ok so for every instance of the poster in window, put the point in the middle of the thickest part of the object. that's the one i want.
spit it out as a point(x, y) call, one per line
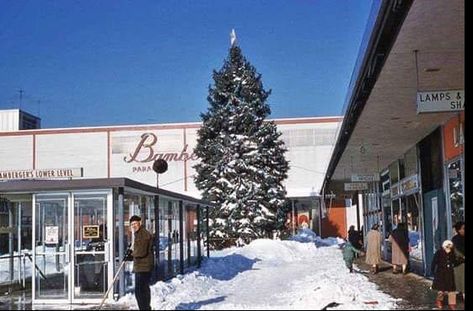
point(51, 235)
point(90, 232)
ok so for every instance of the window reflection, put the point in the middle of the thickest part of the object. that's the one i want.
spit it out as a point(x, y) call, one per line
point(456, 191)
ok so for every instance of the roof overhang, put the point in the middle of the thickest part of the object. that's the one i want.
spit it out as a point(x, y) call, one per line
point(381, 121)
point(31, 186)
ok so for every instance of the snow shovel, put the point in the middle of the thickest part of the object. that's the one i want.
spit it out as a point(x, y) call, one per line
point(122, 264)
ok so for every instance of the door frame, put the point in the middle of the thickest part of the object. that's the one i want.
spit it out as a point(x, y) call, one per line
point(70, 249)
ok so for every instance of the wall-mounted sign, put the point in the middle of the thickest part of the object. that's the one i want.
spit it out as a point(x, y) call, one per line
point(4, 230)
point(394, 190)
point(356, 186)
point(364, 177)
point(49, 173)
point(437, 101)
point(90, 232)
point(51, 235)
point(409, 184)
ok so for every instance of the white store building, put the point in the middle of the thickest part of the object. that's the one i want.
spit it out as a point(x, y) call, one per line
point(81, 180)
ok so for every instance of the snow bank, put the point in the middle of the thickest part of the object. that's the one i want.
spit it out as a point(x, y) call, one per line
point(306, 235)
point(269, 274)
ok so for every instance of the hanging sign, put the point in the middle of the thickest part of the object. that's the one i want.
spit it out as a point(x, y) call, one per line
point(356, 186)
point(438, 101)
point(364, 177)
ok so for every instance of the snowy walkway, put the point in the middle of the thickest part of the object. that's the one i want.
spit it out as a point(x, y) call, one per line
point(269, 274)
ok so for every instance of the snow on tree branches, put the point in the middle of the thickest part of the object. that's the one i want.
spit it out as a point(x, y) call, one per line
point(242, 163)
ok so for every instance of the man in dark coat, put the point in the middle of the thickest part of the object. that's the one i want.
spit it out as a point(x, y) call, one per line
point(143, 262)
point(444, 280)
point(459, 243)
point(354, 237)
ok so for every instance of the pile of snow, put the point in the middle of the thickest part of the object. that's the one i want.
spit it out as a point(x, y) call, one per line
point(306, 235)
point(268, 274)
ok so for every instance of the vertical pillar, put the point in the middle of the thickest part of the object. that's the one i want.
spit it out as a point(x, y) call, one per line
point(188, 234)
point(156, 235)
point(18, 224)
point(357, 212)
point(198, 236)
point(293, 220)
point(10, 242)
point(170, 239)
point(121, 240)
point(208, 232)
point(181, 237)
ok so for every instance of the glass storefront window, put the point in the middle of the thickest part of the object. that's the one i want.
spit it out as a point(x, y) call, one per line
point(455, 184)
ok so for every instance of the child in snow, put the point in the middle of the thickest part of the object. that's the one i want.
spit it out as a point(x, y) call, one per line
point(349, 252)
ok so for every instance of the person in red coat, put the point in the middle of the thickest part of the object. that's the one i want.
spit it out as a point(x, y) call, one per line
point(444, 278)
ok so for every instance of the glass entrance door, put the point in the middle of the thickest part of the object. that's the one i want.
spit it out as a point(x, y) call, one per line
point(51, 250)
point(71, 250)
point(91, 253)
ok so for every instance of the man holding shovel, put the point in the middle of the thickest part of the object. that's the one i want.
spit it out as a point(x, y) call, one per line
point(143, 262)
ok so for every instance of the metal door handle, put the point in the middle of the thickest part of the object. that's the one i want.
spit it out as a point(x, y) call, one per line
point(107, 251)
point(67, 249)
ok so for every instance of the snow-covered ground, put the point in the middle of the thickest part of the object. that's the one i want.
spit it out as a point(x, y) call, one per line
point(270, 274)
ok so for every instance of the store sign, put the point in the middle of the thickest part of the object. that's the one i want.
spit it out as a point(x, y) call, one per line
point(42, 173)
point(364, 177)
point(409, 184)
point(395, 190)
point(90, 232)
point(438, 101)
point(4, 230)
point(356, 186)
point(145, 152)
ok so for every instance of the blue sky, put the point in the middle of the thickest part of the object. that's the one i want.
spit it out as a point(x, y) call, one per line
point(87, 63)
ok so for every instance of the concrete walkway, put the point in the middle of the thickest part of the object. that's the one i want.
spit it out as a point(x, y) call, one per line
point(414, 290)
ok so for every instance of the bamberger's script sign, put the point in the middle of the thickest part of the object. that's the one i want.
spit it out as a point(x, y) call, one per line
point(144, 152)
point(42, 173)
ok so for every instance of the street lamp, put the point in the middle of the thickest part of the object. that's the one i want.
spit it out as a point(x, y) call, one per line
point(159, 166)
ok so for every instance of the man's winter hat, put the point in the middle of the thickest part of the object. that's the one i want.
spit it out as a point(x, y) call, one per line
point(135, 218)
point(447, 243)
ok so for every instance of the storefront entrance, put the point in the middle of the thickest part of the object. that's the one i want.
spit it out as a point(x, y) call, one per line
point(71, 249)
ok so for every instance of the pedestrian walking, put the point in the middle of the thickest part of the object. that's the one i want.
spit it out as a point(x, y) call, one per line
point(349, 252)
point(459, 246)
point(444, 279)
point(143, 262)
point(373, 248)
point(399, 239)
point(354, 238)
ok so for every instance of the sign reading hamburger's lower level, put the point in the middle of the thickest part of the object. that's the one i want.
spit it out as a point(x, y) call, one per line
point(42, 173)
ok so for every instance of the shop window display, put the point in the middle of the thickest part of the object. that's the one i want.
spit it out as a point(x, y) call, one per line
point(455, 183)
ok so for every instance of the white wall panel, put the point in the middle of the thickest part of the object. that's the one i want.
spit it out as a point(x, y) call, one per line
point(87, 150)
point(16, 152)
point(310, 147)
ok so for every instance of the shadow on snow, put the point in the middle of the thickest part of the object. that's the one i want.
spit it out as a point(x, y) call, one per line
point(227, 267)
point(198, 304)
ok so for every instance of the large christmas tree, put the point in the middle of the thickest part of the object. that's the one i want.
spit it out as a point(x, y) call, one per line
point(242, 163)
